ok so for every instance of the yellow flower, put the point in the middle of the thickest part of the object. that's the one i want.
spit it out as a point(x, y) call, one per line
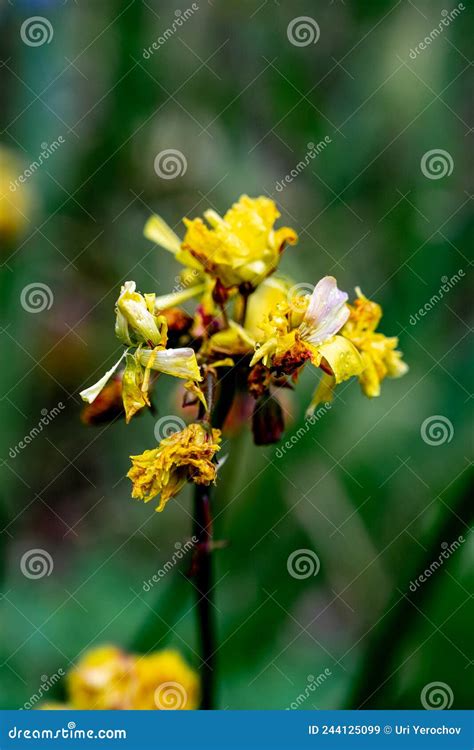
point(15, 197)
point(136, 321)
point(165, 682)
point(242, 247)
point(107, 678)
point(287, 344)
point(185, 456)
point(379, 353)
point(102, 680)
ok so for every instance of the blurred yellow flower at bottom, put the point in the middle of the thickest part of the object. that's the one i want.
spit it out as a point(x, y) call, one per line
point(107, 678)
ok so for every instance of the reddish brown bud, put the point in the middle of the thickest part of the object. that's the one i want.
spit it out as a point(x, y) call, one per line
point(267, 421)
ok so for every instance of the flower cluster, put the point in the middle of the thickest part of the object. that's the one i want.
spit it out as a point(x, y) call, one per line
point(107, 678)
point(248, 321)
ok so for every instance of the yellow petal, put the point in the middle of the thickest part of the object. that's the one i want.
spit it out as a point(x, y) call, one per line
point(324, 393)
point(342, 357)
point(158, 231)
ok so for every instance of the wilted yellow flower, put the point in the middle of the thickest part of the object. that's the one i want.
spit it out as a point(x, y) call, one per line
point(379, 353)
point(15, 198)
point(292, 335)
point(241, 247)
point(379, 356)
point(185, 456)
point(102, 680)
point(165, 682)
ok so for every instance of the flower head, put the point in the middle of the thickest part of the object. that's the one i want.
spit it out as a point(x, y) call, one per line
point(379, 353)
point(185, 456)
point(240, 248)
point(286, 344)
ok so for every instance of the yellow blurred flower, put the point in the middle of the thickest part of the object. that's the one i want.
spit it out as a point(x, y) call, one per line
point(185, 456)
point(165, 682)
point(107, 678)
point(241, 248)
point(102, 680)
point(15, 197)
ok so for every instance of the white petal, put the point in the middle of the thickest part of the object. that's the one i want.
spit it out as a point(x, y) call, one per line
point(90, 394)
point(327, 312)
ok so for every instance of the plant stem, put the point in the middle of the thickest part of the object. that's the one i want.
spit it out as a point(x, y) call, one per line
point(202, 524)
point(202, 568)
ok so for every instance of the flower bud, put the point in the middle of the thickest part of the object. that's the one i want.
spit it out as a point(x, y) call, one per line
point(267, 421)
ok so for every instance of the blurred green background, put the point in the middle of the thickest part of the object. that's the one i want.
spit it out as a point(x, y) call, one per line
point(362, 488)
